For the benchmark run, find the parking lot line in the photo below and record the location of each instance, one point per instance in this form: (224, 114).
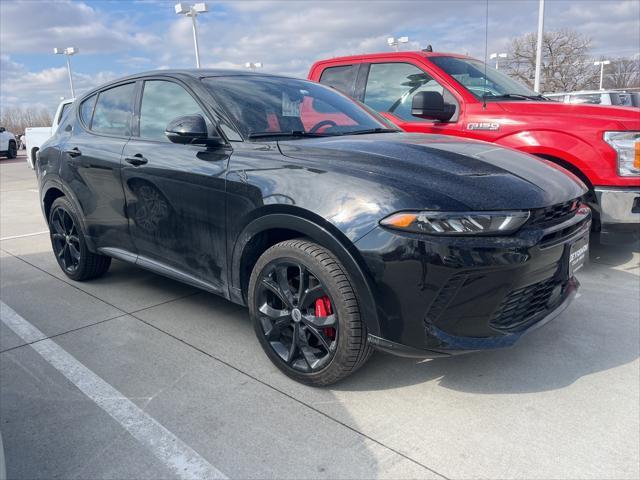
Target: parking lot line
(24, 235)
(179, 457)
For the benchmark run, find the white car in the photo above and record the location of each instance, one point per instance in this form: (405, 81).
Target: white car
(8, 144)
(34, 137)
(594, 97)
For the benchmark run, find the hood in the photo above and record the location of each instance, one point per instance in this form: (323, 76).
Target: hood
(626, 117)
(436, 171)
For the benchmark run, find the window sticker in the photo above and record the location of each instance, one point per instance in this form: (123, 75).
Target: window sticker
(290, 108)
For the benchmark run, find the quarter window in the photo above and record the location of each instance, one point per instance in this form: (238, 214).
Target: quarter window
(113, 111)
(86, 110)
(341, 78)
(162, 102)
(391, 87)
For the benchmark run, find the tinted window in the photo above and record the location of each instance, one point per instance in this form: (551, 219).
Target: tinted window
(63, 111)
(391, 87)
(86, 110)
(262, 105)
(161, 103)
(341, 78)
(113, 111)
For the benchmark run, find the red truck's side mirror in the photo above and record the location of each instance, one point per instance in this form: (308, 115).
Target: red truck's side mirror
(430, 105)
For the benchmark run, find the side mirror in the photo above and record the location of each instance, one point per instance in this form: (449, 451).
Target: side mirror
(430, 105)
(2, 129)
(189, 129)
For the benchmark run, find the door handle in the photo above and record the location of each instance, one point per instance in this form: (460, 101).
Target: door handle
(74, 152)
(136, 160)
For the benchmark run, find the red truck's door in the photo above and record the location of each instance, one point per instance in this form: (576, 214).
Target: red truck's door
(388, 86)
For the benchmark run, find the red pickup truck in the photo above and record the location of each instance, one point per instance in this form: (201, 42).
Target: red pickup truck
(458, 95)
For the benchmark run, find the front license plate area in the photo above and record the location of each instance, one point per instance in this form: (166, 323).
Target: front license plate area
(578, 255)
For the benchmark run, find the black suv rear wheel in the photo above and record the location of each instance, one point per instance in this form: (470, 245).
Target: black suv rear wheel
(69, 245)
(305, 313)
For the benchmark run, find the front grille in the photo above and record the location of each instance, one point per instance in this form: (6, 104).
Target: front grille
(521, 306)
(554, 214)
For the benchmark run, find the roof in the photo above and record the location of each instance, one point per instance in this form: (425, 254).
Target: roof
(411, 53)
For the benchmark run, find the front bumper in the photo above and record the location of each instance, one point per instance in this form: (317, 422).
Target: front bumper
(618, 205)
(447, 295)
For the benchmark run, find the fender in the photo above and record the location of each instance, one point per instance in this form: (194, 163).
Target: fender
(56, 182)
(561, 145)
(320, 235)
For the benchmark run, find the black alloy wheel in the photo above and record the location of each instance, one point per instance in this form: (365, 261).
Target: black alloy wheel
(305, 313)
(65, 241)
(69, 246)
(296, 317)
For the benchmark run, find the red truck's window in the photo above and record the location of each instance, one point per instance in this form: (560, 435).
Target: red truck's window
(341, 78)
(391, 87)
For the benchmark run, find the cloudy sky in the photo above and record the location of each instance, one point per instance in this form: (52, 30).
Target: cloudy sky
(121, 36)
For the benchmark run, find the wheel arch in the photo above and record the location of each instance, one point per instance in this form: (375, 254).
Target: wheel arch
(52, 190)
(272, 228)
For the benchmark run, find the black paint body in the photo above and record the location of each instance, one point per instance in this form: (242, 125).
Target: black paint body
(204, 214)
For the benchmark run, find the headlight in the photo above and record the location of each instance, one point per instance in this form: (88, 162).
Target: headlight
(457, 223)
(627, 146)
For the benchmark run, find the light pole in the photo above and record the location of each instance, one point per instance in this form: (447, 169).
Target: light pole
(68, 52)
(395, 42)
(193, 12)
(536, 80)
(253, 65)
(602, 63)
(497, 56)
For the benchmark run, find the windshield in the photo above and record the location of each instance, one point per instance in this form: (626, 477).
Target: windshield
(263, 106)
(471, 74)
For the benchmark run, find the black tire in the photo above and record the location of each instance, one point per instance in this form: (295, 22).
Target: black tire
(67, 239)
(349, 348)
(13, 150)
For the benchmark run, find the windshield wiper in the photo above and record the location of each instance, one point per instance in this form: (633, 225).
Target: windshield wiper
(290, 133)
(371, 130)
(515, 95)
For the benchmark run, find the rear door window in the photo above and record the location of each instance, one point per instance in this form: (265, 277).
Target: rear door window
(391, 87)
(113, 112)
(341, 78)
(86, 110)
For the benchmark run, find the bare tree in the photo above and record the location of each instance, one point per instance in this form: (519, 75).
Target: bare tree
(16, 119)
(566, 64)
(622, 73)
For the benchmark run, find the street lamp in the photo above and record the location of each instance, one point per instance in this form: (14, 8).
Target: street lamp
(68, 52)
(253, 65)
(602, 63)
(193, 12)
(395, 42)
(497, 56)
(536, 81)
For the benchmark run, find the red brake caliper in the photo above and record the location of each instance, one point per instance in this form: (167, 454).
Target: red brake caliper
(323, 309)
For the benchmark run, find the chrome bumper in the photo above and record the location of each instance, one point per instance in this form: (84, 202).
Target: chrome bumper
(618, 205)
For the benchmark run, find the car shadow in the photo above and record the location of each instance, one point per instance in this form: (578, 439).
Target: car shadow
(599, 331)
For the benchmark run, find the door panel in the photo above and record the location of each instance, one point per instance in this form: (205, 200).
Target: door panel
(175, 193)
(91, 168)
(176, 205)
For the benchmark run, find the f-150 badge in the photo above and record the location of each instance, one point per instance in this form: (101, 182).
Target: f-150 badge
(483, 126)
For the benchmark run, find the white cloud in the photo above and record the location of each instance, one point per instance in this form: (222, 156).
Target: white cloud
(286, 36)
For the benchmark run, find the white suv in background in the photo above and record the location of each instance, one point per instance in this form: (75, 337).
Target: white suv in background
(8, 144)
(594, 97)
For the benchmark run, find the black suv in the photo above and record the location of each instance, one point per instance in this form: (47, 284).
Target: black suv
(340, 233)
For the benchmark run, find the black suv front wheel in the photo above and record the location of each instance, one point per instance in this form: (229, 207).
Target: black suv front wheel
(305, 313)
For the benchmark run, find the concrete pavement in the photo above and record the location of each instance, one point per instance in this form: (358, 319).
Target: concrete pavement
(564, 403)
